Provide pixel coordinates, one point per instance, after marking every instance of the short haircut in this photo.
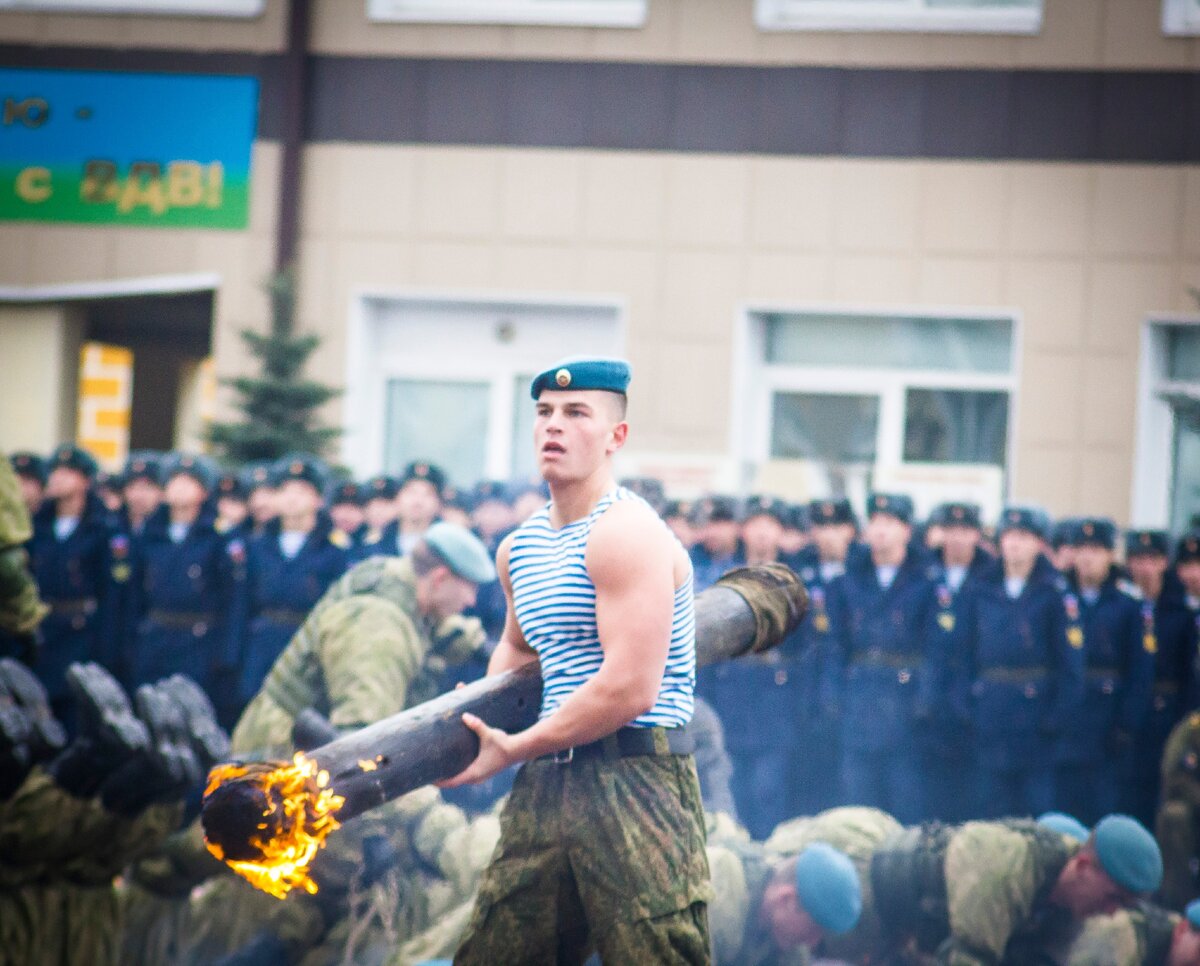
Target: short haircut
(425, 559)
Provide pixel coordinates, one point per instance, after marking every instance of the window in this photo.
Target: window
(1183, 353)
(442, 422)
(576, 13)
(953, 16)
(1181, 18)
(190, 8)
(955, 426)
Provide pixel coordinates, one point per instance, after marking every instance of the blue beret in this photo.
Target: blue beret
(462, 551)
(1128, 853)
(1192, 913)
(828, 888)
(766, 506)
(583, 372)
(1065, 824)
(894, 504)
(380, 487)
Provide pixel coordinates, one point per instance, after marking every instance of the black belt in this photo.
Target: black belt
(1013, 675)
(74, 607)
(629, 743)
(884, 659)
(283, 615)
(180, 620)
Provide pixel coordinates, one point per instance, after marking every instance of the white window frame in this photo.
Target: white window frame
(559, 13)
(886, 15)
(247, 9)
(756, 381)
(1180, 18)
(1153, 467)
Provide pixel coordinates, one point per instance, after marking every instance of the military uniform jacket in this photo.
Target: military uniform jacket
(707, 569)
(275, 593)
(1022, 663)
(1119, 675)
(75, 578)
(20, 609)
(880, 645)
(178, 601)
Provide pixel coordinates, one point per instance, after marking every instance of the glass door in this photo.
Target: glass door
(1185, 477)
(833, 433)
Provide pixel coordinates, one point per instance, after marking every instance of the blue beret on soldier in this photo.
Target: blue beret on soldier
(1192, 913)
(1144, 543)
(828, 888)
(766, 506)
(1027, 518)
(824, 512)
(462, 551)
(583, 372)
(421, 470)
(894, 504)
(1097, 531)
(303, 467)
(1188, 548)
(1065, 824)
(957, 515)
(29, 465)
(73, 457)
(380, 488)
(1128, 853)
(199, 468)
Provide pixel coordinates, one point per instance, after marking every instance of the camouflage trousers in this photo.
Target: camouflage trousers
(598, 854)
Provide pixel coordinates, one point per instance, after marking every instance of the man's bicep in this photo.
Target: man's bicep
(633, 573)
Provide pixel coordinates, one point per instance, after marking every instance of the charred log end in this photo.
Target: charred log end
(776, 596)
(236, 816)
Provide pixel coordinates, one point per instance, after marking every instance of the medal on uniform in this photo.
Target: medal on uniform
(120, 572)
(1075, 637)
(1149, 639)
(946, 621)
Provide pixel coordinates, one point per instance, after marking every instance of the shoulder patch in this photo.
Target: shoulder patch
(119, 545)
(1071, 605)
(1061, 583)
(1129, 588)
(236, 550)
(339, 539)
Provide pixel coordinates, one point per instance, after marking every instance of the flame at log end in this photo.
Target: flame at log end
(295, 816)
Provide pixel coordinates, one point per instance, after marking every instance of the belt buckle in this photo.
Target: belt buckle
(564, 756)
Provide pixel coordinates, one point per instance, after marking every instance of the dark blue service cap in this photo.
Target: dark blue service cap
(73, 457)
(714, 509)
(1142, 543)
(583, 372)
(677, 508)
(143, 466)
(894, 504)
(761, 505)
(422, 470)
(1062, 534)
(957, 515)
(199, 468)
(1027, 518)
(231, 486)
(346, 491)
(1098, 531)
(381, 487)
(257, 475)
(302, 467)
(29, 465)
(649, 488)
(797, 518)
(490, 491)
(825, 512)
(1188, 548)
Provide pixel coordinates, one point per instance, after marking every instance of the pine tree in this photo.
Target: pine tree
(279, 406)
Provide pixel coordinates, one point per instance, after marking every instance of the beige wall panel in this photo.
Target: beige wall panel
(1109, 400)
(792, 202)
(460, 192)
(375, 191)
(70, 254)
(21, 28)
(707, 201)
(314, 285)
(878, 206)
(16, 254)
(1071, 36)
(624, 197)
(550, 43)
(1105, 482)
(913, 49)
(138, 252)
(1191, 211)
(321, 186)
(876, 279)
(700, 290)
(789, 278)
(538, 268)
(629, 275)
(242, 265)
(34, 343)
(965, 205)
(1049, 213)
(693, 394)
(373, 264)
(960, 281)
(1048, 476)
(264, 187)
(455, 265)
(1138, 210)
(1051, 383)
(543, 193)
(1188, 279)
(1119, 296)
(1133, 37)
(1051, 295)
(705, 29)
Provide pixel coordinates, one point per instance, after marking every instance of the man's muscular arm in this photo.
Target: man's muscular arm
(631, 561)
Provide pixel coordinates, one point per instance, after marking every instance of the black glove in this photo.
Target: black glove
(312, 729)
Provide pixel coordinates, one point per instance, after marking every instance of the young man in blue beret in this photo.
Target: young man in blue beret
(602, 839)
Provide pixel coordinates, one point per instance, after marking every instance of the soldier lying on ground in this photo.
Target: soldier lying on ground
(77, 819)
(1146, 935)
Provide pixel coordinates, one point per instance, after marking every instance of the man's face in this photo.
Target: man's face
(264, 504)
(347, 517)
(446, 594)
(297, 498)
(1189, 575)
(183, 492)
(886, 533)
(379, 512)
(1019, 548)
(232, 509)
(1147, 568)
(793, 540)
(31, 493)
(762, 535)
(720, 536)
(575, 432)
(492, 517)
(1092, 562)
(142, 497)
(418, 503)
(1185, 945)
(65, 483)
(1089, 891)
(790, 926)
(960, 541)
(1063, 558)
(833, 540)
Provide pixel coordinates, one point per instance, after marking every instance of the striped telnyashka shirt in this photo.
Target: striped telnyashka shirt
(555, 603)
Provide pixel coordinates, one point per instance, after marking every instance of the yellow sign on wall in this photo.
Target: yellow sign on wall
(105, 398)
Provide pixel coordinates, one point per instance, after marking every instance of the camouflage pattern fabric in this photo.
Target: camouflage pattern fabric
(1131, 937)
(20, 609)
(1179, 814)
(603, 854)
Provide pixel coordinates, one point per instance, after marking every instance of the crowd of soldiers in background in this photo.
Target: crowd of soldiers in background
(945, 669)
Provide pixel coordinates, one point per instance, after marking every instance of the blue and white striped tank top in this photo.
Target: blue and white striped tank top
(555, 604)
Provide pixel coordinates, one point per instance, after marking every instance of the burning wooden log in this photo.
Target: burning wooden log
(267, 820)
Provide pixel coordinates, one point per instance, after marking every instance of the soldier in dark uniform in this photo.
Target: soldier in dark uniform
(1022, 648)
(75, 558)
(677, 515)
(1062, 544)
(31, 473)
(345, 503)
(261, 487)
(287, 568)
(233, 515)
(945, 739)
(649, 488)
(795, 538)
(718, 546)
(141, 492)
(1187, 570)
(418, 503)
(182, 582)
(884, 621)
(1169, 632)
(379, 512)
(757, 698)
(1119, 669)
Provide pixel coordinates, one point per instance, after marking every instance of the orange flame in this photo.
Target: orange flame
(297, 821)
